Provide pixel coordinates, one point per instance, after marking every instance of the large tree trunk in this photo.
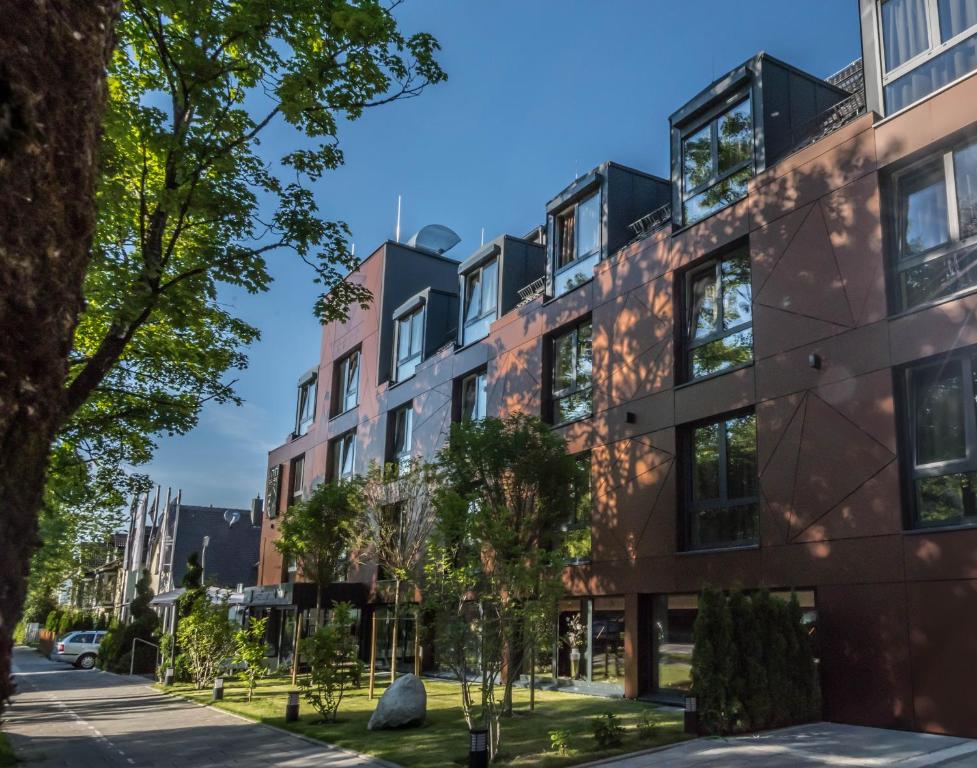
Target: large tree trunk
(53, 55)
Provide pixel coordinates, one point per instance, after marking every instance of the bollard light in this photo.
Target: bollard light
(168, 676)
(691, 715)
(218, 688)
(478, 748)
(292, 708)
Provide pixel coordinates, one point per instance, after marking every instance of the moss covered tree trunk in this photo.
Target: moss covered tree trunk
(53, 55)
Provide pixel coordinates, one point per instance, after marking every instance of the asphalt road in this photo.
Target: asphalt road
(67, 718)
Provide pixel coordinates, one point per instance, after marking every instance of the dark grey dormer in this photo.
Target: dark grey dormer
(489, 281)
(422, 325)
(588, 221)
(742, 123)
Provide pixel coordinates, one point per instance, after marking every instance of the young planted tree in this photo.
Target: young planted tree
(333, 661)
(115, 332)
(250, 649)
(315, 535)
(392, 527)
(206, 638)
(506, 490)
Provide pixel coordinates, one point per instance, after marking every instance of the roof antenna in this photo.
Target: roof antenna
(397, 237)
(483, 235)
(352, 251)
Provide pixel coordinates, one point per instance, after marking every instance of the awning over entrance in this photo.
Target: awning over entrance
(168, 598)
(303, 595)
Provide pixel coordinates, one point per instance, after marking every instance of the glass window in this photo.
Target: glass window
(481, 301)
(717, 162)
(578, 243)
(344, 457)
(607, 640)
(944, 441)
(572, 371)
(410, 336)
(936, 217)
(674, 626)
(722, 484)
(347, 383)
(474, 397)
(926, 44)
(719, 328)
(305, 412)
(295, 484)
(577, 540)
(401, 422)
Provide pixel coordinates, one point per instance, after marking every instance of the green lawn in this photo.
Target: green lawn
(6, 753)
(442, 742)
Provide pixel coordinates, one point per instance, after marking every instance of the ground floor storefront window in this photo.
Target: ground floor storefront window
(406, 640)
(590, 643)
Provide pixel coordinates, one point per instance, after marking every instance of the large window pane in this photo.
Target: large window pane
(705, 463)
(416, 333)
(572, 407)
(490, 286)
(697, 158)
(585, 356)
(904, 30)
(735, 137)
(947, 499)
(931, 75)
(473, 296)
(737, 292)
(473, 397)
(719, 335)
(403, 339)
(607, 643)
(924, 211)
(588, 226)
(956, 16)
(572, 369)
(741, 457)
(675, 621)
(718, 527)
(716, 356)
(939, 277)
(577, 540)
(704, 307)
(939, 413)
(564, 370)
(565, 241)
(965, 176)
(717, 196)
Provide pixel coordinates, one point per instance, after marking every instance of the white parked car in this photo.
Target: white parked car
(79, 648)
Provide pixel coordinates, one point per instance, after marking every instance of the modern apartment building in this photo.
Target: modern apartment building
(769, 361)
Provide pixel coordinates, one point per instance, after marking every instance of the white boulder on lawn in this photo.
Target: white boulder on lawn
(403, 703)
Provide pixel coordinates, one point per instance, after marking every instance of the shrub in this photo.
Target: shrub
(560, 742)
(206, 638)
(647, 726)
(114, 654)
(249, 650)
(712, 660)
(53, 620)
(608, 731)
(334, 665)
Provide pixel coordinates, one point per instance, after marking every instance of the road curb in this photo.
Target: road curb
(307, 739)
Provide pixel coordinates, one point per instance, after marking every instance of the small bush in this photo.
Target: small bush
(334, 666)
(53, 620)
(608, 731)
(560, 742)
(647, 726)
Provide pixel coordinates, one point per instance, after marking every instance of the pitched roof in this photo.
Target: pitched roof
(232, 553)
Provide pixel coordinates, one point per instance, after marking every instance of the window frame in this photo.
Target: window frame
(406, 456)
(713, 263)
(415, 358)
(722, 502)
(936, 45)
(308, 389)
(555, 396)
(483, 313)
(340, 447)
(480, 373)
(296, 490)
(942, 160)
(711, 119)
(341, 403)
(967, 359)
(572, 208)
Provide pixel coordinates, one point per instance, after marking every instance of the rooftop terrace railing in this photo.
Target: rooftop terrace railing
(850, 79)
(529, 292)
(650, 223)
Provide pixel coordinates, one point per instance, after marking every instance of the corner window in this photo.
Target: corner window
(572, 389)
(936, 227)
(343, 457)
(943, 433)
(719, 318)
(721, 483)
(577, 539)
(481, 301)
(295, 480)
(717, 162)
(474, 397)
(347, 383)
(305, 409)
(401, 426)
(926, 44)
(578, 243)
(410, 343)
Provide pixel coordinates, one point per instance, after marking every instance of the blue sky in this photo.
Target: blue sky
(538, 92)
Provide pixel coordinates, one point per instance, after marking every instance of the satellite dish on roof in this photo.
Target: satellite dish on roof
(231, 517)
(434, 237)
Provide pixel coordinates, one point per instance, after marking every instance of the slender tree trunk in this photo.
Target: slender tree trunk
(393, 641)
(53, 55)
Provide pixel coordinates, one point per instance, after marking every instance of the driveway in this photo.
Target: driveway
(67, 718)
(823, 744)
